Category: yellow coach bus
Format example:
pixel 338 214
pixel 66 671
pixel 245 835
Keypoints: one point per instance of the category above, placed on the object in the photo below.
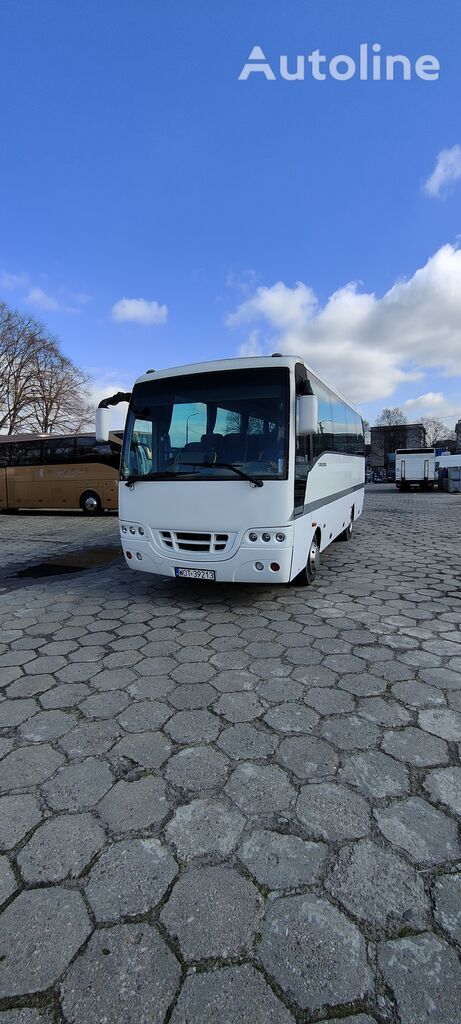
pixel 71 472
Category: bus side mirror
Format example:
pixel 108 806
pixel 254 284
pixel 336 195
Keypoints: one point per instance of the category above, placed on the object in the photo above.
pixel 308 414
pixel 102 424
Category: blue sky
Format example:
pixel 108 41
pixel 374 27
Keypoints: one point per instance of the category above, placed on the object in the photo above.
pixel 136 166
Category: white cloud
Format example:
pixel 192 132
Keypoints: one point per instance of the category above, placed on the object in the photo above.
pixel 436 404
pixel 37 297
pixel 367 345
pixel 446 171
pixel 139 311
pixel 10 282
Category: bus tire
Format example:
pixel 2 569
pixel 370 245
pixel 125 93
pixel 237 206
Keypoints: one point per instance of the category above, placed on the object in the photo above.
pixel 307 576
pixel 90 503
pixel 346 534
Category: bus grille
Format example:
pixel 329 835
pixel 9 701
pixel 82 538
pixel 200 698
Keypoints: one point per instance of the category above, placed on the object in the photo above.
pixel 196 542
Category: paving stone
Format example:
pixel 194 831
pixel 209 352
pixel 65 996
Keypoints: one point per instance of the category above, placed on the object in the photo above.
pixel 28 766
pixel 230 681
pixel 425 977
pixel 350 732
pixel 415 747
pixel 243 742
pixel 109 679
pixel 280 861
pixel 61 848
pixel 25 1016
pixel 292 717
pixel 49 926
pixel 357 1018
pixel 239 707
pixel 427 835
pixel 197 768
pixel 5 746
pixel 345 664
pixel 378 887
pixel 192 696
pixel 18 815
pixel 148 749
pixel 126 975
pixel 91 738
pixel 444 678
pixel 332 812
pixel 375 774
pixel 363 684
pixel 205 827
pixel 314 953
pixel 447 899
pixel 444 786
pixel 258 789
pixel 129 878
pixel 134 806
pixel 150 687
pixel 104 705
pixel 8 884
pixel 13 712
pixel 276 690
pixel 213 912
pixel 229 995
pixel 79 785
pixel 65 695
pixel 47 725
pixel 144 715
pixel 441 722
pixel 193 727
pixel 383 712
pixel 307 757
pixel 328 701
pixel 418 695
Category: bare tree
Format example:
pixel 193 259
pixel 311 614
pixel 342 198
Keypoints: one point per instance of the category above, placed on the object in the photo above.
pixel 21 337
pixel 436 431
pixel 41 390
pixel 61 400
pixel 391 418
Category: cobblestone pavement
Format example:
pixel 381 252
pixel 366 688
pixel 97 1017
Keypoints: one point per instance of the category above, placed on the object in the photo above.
pixel 233 805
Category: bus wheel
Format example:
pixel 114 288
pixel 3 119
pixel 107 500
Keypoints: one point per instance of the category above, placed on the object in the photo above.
pixel 307 576
pixel 347 533
pixel 90 503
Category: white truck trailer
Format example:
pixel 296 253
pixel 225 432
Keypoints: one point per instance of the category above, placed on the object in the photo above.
pixel 420 467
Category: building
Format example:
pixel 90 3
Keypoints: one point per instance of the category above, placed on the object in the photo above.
pixel 385 441
pixel 458 436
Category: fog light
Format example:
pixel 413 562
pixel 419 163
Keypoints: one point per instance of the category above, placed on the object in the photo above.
pixel 280 537
pixel 252 536
pixel 138 556
pixel 141 530
pixel 132 529
pixel 128 554
pixel 275 566
pixel 266 537
pixel 259 566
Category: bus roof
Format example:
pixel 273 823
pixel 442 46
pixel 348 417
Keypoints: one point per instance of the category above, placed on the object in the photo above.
pixel 242 363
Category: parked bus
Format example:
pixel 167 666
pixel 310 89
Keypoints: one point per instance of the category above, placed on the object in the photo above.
pixel 46 471
pixel 237 470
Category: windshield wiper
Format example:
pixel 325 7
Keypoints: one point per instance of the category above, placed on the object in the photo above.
pixel 160 475
pixel 255 481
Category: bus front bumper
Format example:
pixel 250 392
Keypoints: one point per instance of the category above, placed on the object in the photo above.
pixel 268 564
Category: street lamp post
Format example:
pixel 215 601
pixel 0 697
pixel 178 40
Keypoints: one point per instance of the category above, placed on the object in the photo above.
pixel 187 425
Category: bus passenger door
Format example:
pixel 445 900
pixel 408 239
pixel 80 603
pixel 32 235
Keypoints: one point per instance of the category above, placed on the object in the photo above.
pixel 26 483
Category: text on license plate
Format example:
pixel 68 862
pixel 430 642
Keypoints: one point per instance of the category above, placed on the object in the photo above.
pixel 195 574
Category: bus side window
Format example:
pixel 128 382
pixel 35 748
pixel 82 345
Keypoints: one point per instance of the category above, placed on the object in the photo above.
pixel 61 449
pixel 26 453
pixel 323 440
pixel 5 450
pixel 340 425
pixel 302 465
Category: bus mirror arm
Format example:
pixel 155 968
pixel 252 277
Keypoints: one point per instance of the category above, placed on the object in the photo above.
pixel 103 413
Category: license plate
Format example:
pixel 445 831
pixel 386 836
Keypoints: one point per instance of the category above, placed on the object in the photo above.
pixel 195 574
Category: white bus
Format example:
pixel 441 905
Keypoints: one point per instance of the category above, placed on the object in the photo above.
pixel 239 470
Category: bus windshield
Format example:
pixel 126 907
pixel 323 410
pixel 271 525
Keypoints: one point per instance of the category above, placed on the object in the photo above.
pixel 202 425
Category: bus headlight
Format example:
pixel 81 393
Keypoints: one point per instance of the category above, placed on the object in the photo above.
pixel 252 536
pixel 266 537
pixel 280 537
